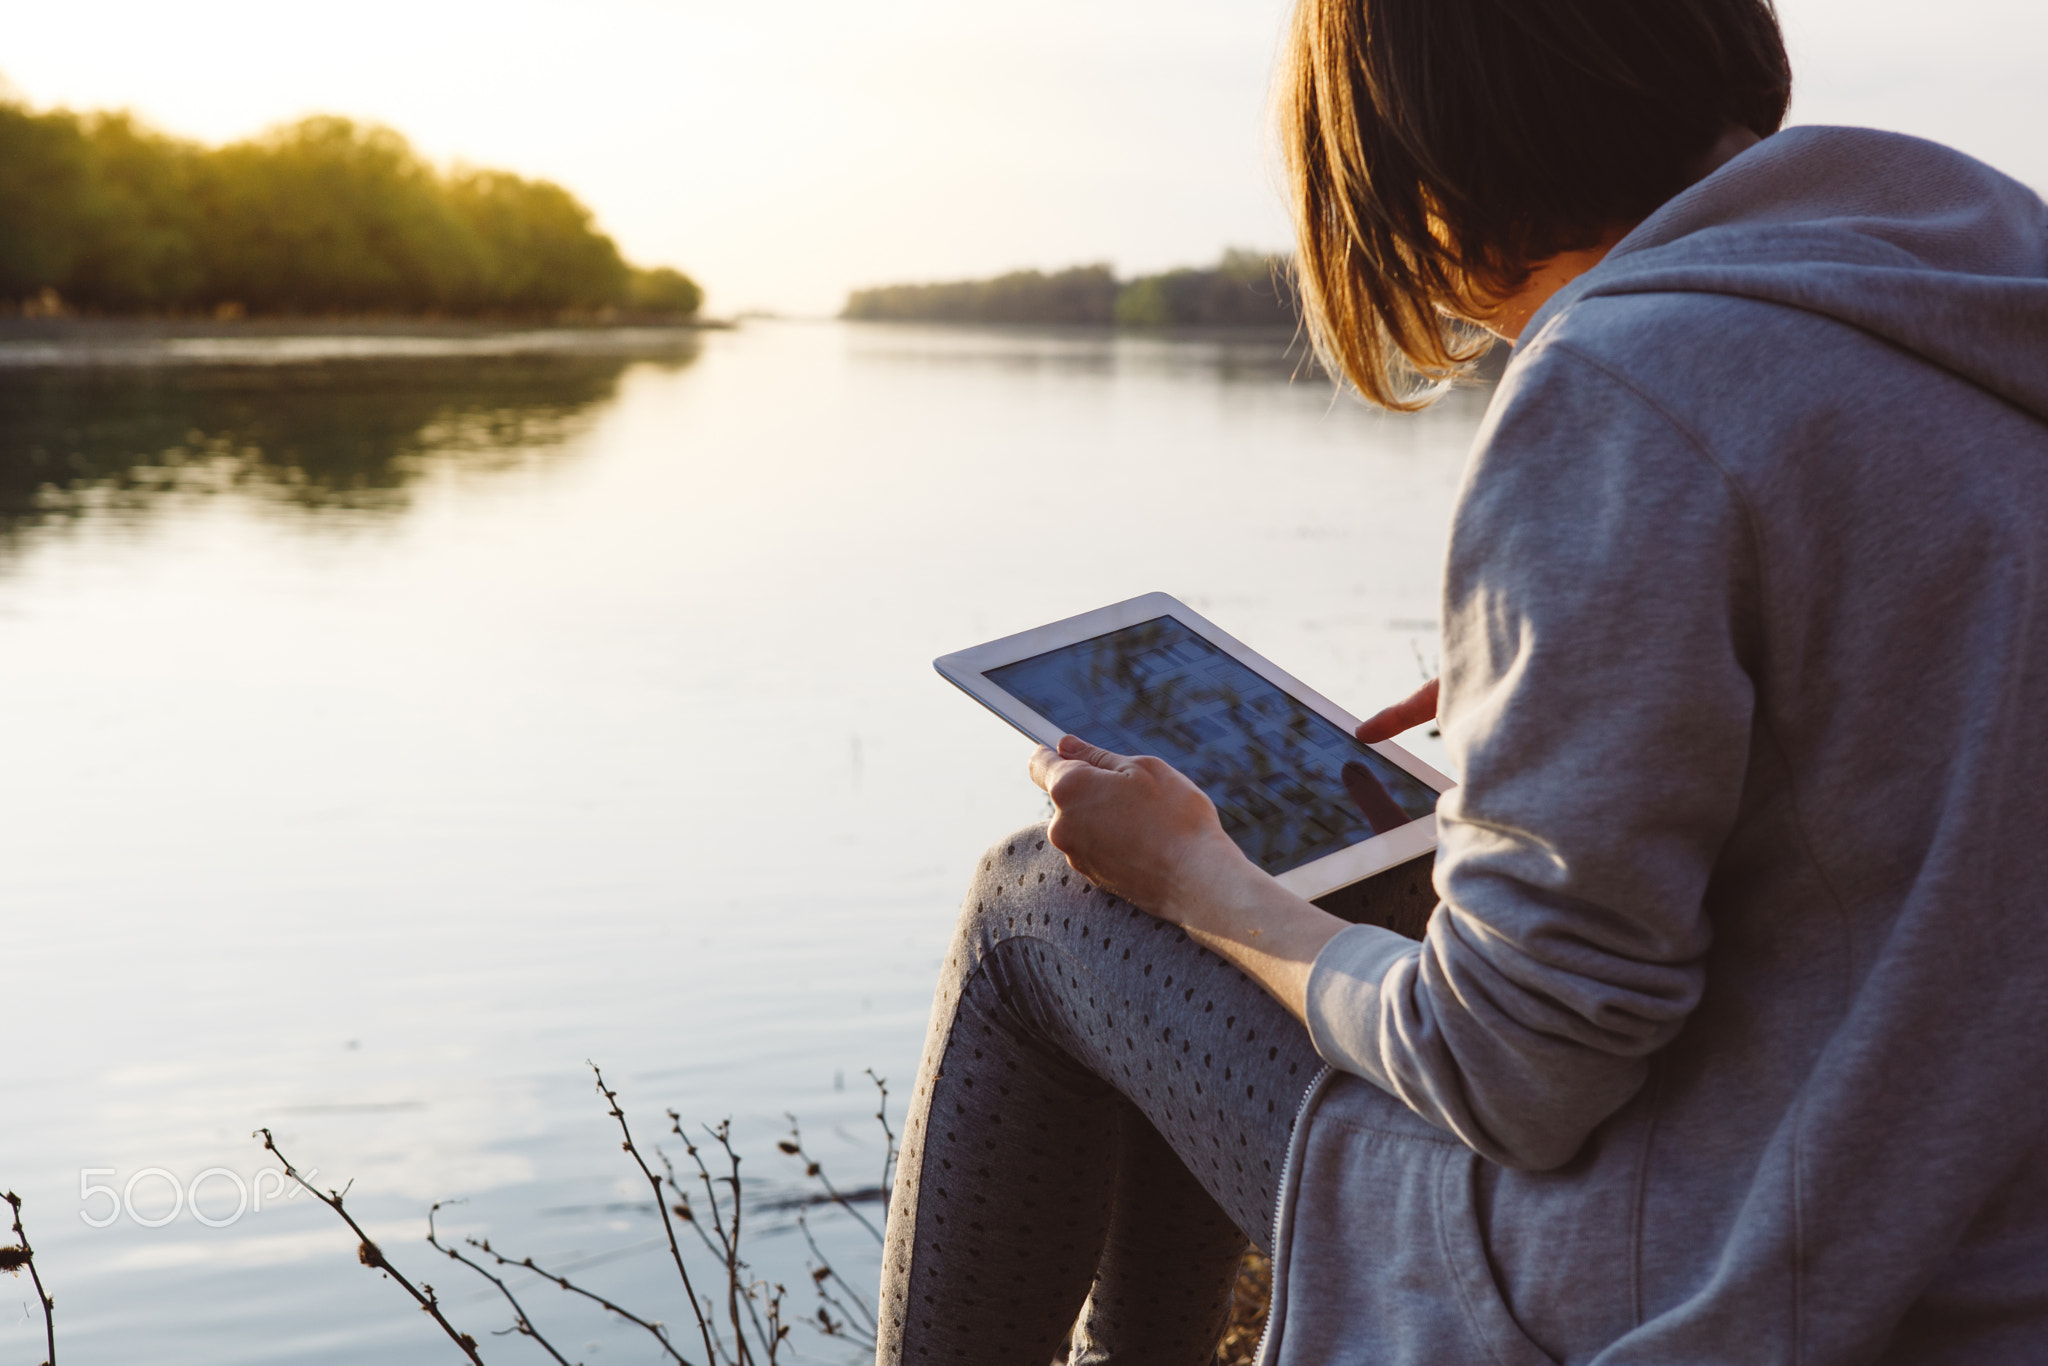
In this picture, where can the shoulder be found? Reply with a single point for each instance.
(1694, 356)
(1593, 475)
(1738, 376)
(1599, 408)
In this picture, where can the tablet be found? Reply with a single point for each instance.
(1304, 799)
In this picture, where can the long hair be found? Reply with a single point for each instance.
(1437, 150)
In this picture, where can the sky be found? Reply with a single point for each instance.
(783, 153)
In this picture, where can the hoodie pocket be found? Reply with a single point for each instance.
(1469, 1266)
(1386, 1263)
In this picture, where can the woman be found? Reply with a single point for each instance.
(1723, 1043)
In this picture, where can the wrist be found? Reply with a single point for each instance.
(1210, 881)
(1236, 910)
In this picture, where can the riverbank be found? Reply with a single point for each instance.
(79, 328)
(128, 341)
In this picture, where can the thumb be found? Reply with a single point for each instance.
(1074, 747)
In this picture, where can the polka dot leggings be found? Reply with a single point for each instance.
(1098, 1127)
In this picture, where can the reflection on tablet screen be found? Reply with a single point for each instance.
(1289, 785)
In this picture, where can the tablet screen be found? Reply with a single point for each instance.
(1289, 784)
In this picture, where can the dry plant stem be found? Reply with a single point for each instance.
(372, 1256)
(723, 1133)
(857, 1313)
(727, 1248)
(794, 1146)
(847, 1327)
(684, 1208)
(660, 1333)
(28, 1259)
(721, 1249)
(888, 1137)
(776, 1329)
(520, 1323)
(667, 1225)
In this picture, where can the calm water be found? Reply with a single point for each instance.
(389, 733)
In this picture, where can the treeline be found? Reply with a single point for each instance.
(1244, 289)
(99, 213)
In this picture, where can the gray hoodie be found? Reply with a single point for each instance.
(1725, 1043)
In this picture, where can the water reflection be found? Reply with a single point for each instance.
(317, 435)
(1249, 355)
(1230, 356)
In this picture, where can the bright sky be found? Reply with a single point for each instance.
(785, 152)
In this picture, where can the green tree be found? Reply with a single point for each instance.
(138, 244)
(322, 216)
(663, 290)
(45, 182)
(536, 248)
(1083, 295)
(1244, 289)
(325, 217)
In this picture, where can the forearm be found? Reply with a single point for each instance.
(1133, 825)
(1239, 913)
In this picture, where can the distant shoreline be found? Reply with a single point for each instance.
(1245, 289)
(82, 345)
(74, 328)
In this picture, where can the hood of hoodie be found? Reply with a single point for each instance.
(1910, 241)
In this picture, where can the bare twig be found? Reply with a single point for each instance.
(22, 1255)
(843, 1326)
(722, 1248)
(733, 1266)
(520, 1323)
(755, 1330)
(777, 1329)
(372, 1256)
(682, 1208)
(857, 1321)
(889, 1146)
(726, 1247)
(667, 1225)
(794, 1146)
(658, 1330)
(822, 1272)
(716, 1242)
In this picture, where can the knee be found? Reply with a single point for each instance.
(1022, 885)
(1027, 846)
(1005, 862)
(1012, 878)
(988, 911)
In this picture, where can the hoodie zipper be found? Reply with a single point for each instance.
(1308, 1097)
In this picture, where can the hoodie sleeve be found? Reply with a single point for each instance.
(1597, 696)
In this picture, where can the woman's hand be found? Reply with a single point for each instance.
(1410, 712)
(1139, 829)
(1135, 826)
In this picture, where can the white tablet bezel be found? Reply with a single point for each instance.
(967, 670)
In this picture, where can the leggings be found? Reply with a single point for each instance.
(1097, 1130)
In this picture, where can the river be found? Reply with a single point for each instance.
(394, 726)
